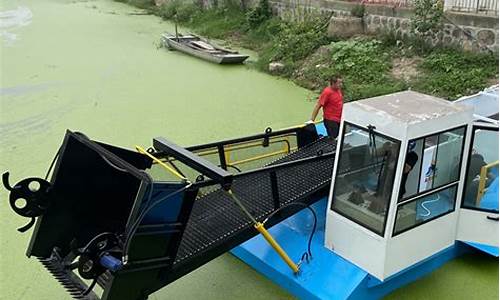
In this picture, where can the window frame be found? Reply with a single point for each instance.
(473, 135)
(405, 199)
(433, 190)
(392, 139)
(430, 192)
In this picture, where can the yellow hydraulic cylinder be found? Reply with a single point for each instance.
(161, 163)
(260, 228)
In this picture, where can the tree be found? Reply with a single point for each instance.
(428, 15)
(259, 14)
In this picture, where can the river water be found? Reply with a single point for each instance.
(95, 67)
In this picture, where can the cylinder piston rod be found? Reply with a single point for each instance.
(267, 236)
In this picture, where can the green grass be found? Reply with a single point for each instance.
(452, 74)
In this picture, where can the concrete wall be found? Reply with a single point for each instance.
(469, 31)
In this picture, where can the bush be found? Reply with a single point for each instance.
(261, 36)
(428, 15)
(179, 10)
(360, 60)
(169, 9)
(185, 13)
(451, 74)
(259, 14)
(296, 40)
(358, 10)
(219, 22)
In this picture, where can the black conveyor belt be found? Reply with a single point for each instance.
(215, 218)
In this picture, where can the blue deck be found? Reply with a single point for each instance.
(327, 276)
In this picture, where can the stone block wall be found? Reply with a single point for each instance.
(471, 38)
(471, 32)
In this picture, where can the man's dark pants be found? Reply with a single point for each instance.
(332, 128)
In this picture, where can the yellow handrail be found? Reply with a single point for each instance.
(239, 147)
(482, 180)
(245, 145)
(161, 163)
(239, 162)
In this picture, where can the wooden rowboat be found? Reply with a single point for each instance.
(202, 48)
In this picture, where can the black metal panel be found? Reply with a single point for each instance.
(136, 159)
(93, 191)
(307, 135)
(162, 240)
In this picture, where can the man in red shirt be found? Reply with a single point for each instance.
(331, 100)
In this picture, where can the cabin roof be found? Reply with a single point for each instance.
(409, 107)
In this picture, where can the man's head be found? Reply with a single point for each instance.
(336, 82)
(411, 161)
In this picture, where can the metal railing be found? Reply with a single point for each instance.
(488, 7)
(393, 3)
(483, 177)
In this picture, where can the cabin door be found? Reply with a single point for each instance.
(478, 219)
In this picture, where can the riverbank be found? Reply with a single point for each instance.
(304, 53)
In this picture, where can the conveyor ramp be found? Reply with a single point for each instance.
(115, 217)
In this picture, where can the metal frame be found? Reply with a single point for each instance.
(180, 269)
(222, 148)
(209, 182)
(194, 161)
(433, 190)
(473, 135)
(422, 154)
(382, 234)
(489, 7)
(271, 133)
(482, 180)
(442, 188)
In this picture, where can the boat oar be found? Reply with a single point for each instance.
(176, 33)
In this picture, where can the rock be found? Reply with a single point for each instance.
(486, 37)
(405, 24)
(345, 27)
(457, 32)
(276, 67)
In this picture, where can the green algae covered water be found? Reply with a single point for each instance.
(95, 67)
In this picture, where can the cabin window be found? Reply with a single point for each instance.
(425, 208)
(481, 178)
(429, 178)
(432, 162)
(365, 177)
